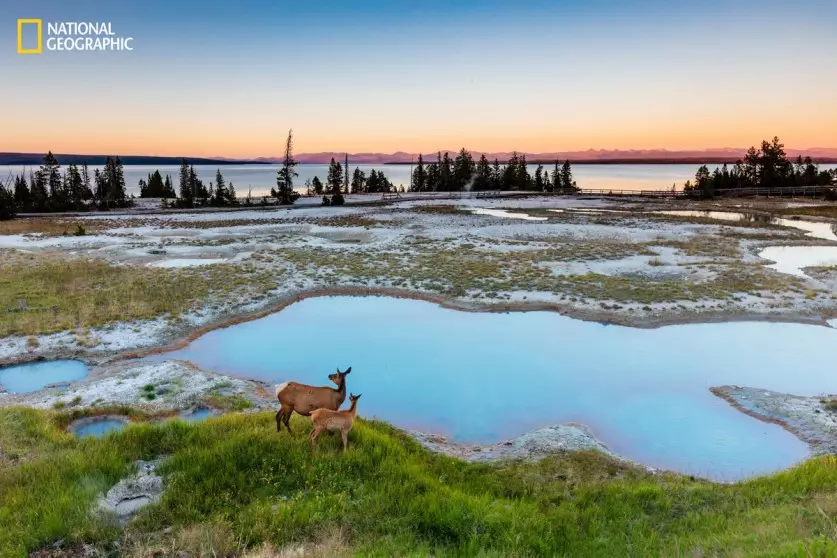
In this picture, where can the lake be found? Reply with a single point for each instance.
(262, 177)
(485, 377)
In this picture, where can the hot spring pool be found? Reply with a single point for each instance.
(485, 377)
(25, 378)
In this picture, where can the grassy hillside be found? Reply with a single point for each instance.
(235, 486)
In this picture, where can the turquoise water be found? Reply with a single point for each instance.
(99, 428)
(198, 415)
(484, 377)
(37, 375)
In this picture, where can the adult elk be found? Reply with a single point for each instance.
(303, 398)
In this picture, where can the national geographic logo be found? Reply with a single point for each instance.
(63, 36)
(38, 28)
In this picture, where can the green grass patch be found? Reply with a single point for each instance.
(79, 293)
(236, 479)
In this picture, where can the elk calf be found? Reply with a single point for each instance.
(326, 419)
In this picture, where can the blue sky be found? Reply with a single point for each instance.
(213, 78)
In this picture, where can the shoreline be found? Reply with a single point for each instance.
(803, 417)
(179, 340)
(583, 315)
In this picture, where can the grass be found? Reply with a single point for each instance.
(50, 226)
(811, 210)
(830, 405)
(91, 292)
(235, 485)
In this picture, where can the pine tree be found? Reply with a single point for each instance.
(567, 182)
(221, 195)
(8, 205)
(496, 176)
(40, 194)
(463, 170)
(232, 199)
(187, 196)
(358, 181)
(168, 188)
(335, 182)
(22, 196)
(483, 178)
(307, 186)
(317, 185)
(346, 174)
(418, 182)
(85, 181)
(556, 177)
(446, 182)
(433, 177)
(285, 176)
(540, 183)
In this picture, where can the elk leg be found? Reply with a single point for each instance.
(279, 421)
(288, 420)
(345, 439)
(313, 437)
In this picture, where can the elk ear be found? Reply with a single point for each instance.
(349, 369)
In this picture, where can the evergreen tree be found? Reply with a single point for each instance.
(317, 185)
(446, 181)
(85, 181)
(556, 177)
(232, 199)
(168, 188)
(187, 195)
(540, 183)
(8, 205)
(567, 182)
(483, 177)
(307, 186)
(22, 196)
(346, 174)
(418, 182)
(496, 176)
(285, 176)
(335, 182)
(433, 177)
(221, 194)
(40, 194)
(358, 181)
(463, 170)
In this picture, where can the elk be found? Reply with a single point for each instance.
(327, 419)
(303, 398)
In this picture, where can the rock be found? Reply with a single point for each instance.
(130, 495)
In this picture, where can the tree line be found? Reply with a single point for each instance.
(767, 167)
(49, 189)
(463, 173)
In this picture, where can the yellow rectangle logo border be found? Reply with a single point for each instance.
(20, 24)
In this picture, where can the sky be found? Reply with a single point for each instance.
(230, 78)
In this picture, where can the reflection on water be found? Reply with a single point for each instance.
(507, 214)
(26, 378)
(825, 231)
(485, 377)
(793, 259)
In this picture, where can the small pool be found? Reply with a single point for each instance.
(26, 378)
(506, 214)
(815, 229)
(485, 377)
(198, 415)
(97, 427)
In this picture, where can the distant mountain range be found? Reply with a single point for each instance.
(590, 156)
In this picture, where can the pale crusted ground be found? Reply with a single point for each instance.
(589, 258)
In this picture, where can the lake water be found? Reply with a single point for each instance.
(26, 378)
(262, 177)
(485, 377)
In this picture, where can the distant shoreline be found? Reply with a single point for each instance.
(652, 161)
